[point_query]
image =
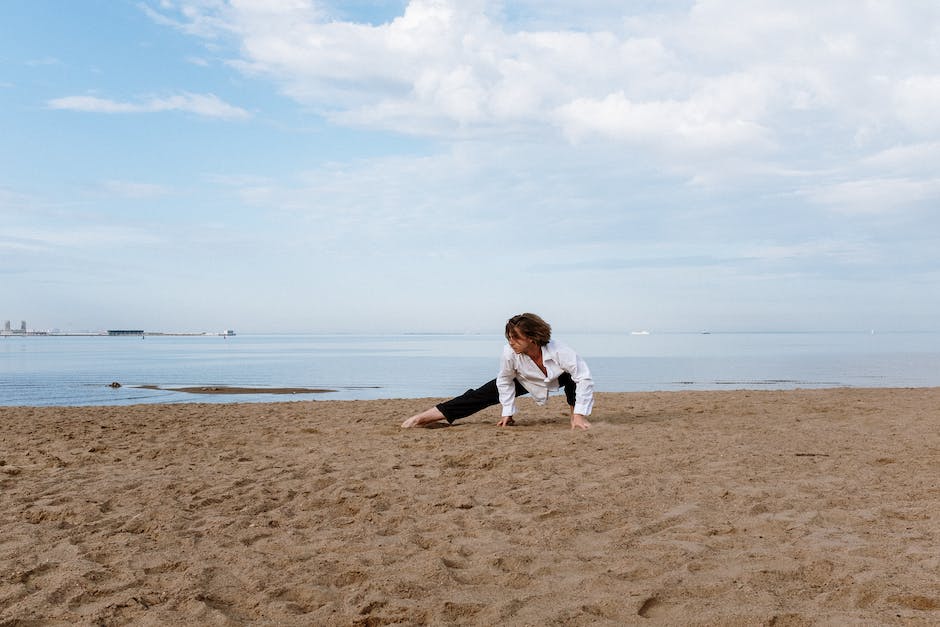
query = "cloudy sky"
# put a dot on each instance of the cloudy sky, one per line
(439, 165)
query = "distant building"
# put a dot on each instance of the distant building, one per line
(6, 326)
(125, 332)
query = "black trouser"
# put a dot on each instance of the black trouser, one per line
(487, 395)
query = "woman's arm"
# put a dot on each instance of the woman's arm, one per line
(572, 363)
(506, 384)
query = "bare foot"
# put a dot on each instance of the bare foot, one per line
(426, 417)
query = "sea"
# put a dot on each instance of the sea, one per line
(56, 370)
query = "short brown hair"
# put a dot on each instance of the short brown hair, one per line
(531, 326)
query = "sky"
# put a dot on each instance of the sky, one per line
(440, 165)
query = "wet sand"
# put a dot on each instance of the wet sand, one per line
(695, 508)
(227, 389)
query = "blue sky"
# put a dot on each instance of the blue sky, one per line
(435, 165)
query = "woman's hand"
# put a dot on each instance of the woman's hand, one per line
(579, 422)
(506, 421)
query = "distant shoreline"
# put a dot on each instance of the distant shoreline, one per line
(117, 334)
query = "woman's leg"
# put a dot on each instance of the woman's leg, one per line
(470, 402)
(426, 417)
(569, 386)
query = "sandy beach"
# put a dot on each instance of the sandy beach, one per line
(777, 508)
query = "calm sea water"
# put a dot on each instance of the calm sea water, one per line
(77, 370)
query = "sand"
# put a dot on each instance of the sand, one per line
(684, 508)
(228, 389)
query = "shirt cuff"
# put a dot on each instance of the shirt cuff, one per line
(584, 408)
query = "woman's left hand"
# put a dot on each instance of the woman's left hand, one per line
(579, 422)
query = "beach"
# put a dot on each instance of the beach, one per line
(796, 507)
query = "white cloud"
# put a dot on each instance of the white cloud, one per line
(919, 157)
(207, 105)
(874, 195)
(769, 78)
(712, 119)
(918, 101)
(11, 199)
(132, 189)
(43, 61)
(76, 237)
(16, 245)
(812, 249)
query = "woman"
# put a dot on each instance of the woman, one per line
(531, 363)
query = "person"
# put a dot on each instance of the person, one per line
(531, 363)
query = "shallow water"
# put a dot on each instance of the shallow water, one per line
(60, 370)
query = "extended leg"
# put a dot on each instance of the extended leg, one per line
(470, 402)
(426, 417)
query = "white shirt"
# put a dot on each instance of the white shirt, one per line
(557, 359)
